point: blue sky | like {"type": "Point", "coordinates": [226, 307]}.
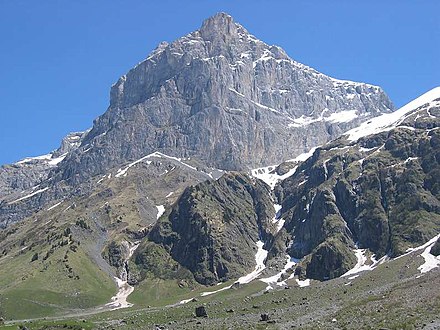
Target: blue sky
{"type": "Point", "coordinates": [58, 59]}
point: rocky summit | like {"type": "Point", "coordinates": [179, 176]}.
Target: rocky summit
{"type": "Point", "coordinates": [226, 172]}
{"type": "Point", "coordinates": [218, 95]}
{"type": "Point", "coordinates": [221, 95]}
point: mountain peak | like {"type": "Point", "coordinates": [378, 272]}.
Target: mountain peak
{"type": "Point", "coordinates": [221, 24]}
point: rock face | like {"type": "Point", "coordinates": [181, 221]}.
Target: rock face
{"type": "Point", "coordinates": [32, 171]}
{"type": "Point", "coordinates": [380, 191]}
{"type": "Point", "coordinates": [213, 227]}
{"type": "Point", "coordinates": [222, 96]}
{"type": "Point", "coordinates": [218, 95]}
{"type": "Point", "coordinates": [435, 250]}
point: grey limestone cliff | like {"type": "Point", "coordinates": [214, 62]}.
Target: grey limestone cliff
{"type": "Point", "coordinates": [221, 95]}
{"type": "Point", "coordinates": [218, 95]}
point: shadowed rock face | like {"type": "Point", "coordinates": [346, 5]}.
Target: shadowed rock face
{"type": "Point", "coordinates": [214, 225]}
{"type": "Point", "coordinates": [221, 95]}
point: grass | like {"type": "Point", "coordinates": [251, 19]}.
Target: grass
{"type": "Point", "coordinates": [42, 289]}
{"type": "Point", "coordinates": [53, 325]}
{"type": "Point", "coordinates": [380, 298]}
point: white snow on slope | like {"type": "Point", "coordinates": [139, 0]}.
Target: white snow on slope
{"type": "Point", "coordinates": [304, 156]}
{"type": "Point", "coordinates": [304, 283]}
{"type": "Point", "coordinates": [29, 196]}
{"type": "Point", "coordinates": [123, 171]}
{"type": "Point", "coordinates": [54, 206]}
{"type": "Point", "coordinates": [389, 121]}
{"type": "Point", "coordinates": [275, 279]}
{"type": "Point", "coordinates": [421, 247]}
{"type": "Point", "coordinates": [271, 178]}
{"type": "Point", "coordinates": [342, 116]}
{"type": "Point", "coordinates": [337, 117]}
{"type": "Point", "coordinates": [277, 208]}
{"type": "Point", "coordinates": [260, 257]}
{"type": "Point", "coordinates": [182, 302]}
{"type": "Point", "coordinates": [160, 211]}
{"type": "Point", "coordinates": [208, 293]}
{"type": "Point", "coordinates": [133, 249]}
{"type": "Point", "coordinates": [47, 158]}
{"type": "Point", "coordinates": [161, 155]}
{"type": "Point", "coordinates": [30, 159]}
{"type": "Point", "coordinates": [120, 300]}
{"type": "Point", "coordinates": [276, 219]}
{"type": "Point", "coordinates": [268, 175]}
{"type": "Point", "coordinates": [55, 161]}
{"type": "Point", "coordinates": [280, 224]}
{"type": "Point", "coordinates": [124, 289]}
{"type": "Point", "coordinates": [431, 261]}
{"type": "Point", "coordinates": [361, 264]}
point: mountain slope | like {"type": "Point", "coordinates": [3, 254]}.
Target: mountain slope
{"type": "Point", "coordinates": [80, 243]}
{"type": "Point", "coordinates": [378, 190]}
{"type": "Point", "coordinates": [213, 227]}
{"type": "Point", "coordinates": [351, 200]}
{"type": "Point", "coordinates": [218, 95]}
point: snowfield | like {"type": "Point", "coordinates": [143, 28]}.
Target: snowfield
{"type": "Point", "coordinates": [389, 121]}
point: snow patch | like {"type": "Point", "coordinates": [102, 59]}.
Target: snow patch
{"type": "Point", "coordinates": [389, 121]}
{"type": "Point", "coordinates": [208, 293]}
{"type": "Point", "coordinates": [275, 279]}
{"type": "Point", "coordinates": [124, 289]}
{"type": "Point", "coordinates": [277, 208]}
{"type": "Point", "coordinates": [271, 178]}
{"type": "Point", "coordinates": [431, 261]}
{"type": "Point", "coordinates": [160, 211]}
{"type": "Point", "coordinates": [337, 117]}
{"type": "Point", "coordinates": [260, 257]}
{"type": "Point", "coordinates": [362, 149]}
{"type": "Point", "coordinates": [342, 116]}
{"type": "Point", "coordinates": [123, 172]}
{"type": "Point", "coordinates": [54, 206]}
{"type": "Point", "coordinates": [185, 301]}
{"type": "Point", "coordinates": [361, 264]}
{"type": "Point", "coordinates": [276, 219]}
{"type": "Point", "coordinates": [55, 161]}
{"type": "Point", "coordinates": [120, 300]}
{"type": "Point", "coordinates": [30, 159]}
{"type": "Point", "coordinates": [303, 283]}
{"type": "Point", "coordinates": [29, 196]}
{"type": "Point", "coordinates": [421, 247]}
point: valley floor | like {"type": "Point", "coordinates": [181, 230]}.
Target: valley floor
{"type": "Point", "coordinates": [393, 296]}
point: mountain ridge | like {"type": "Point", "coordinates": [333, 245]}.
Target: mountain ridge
{"type": "Point", "coordinates": [318, 223]}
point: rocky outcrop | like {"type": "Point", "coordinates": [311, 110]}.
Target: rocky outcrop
{"type": "Point", "coordinates": [380, 192]}
{"type": "Point", "coordinates": [33, 171]}
{"type": "Point", "coordinates": [214, 226]}
{"type": "Point", "coordinates": [435, 250]}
